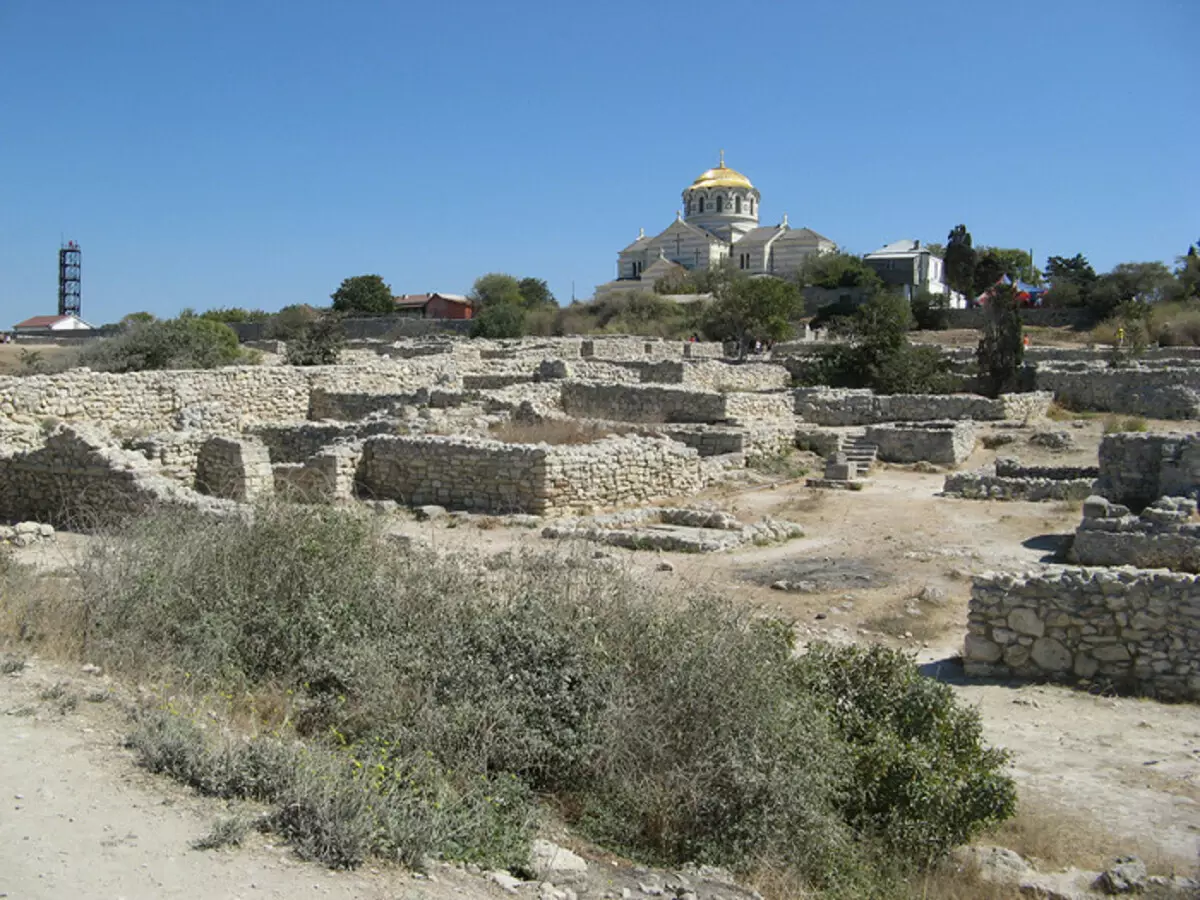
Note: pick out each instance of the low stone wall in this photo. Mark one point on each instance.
(175, 452)
(1166, 535)
(713, 375)
(213, 399)
(987, 486)
(843, 407)
(1136, 469)
(641, 403)
(1155, 392)
(749, 408)
(1010, 467)
(326, 477)
(234, 469)
(80, 478)
(296, 443)
(490, 476)
(1134, 629)
(488, 382)
(944, 443)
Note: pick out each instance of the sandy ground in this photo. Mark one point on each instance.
(78, 819)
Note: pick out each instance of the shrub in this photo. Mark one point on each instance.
(1114, 424)
(188, 342)
(291, 322)
(437, 693)
(931, 311)
(318, 344)
(923, 781)
(499, 320)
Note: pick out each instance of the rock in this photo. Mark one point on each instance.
(997, 865)
(1026, 621)
(550, 862)
(91, 669)
(992, 441)
(980, 649)
(1052, 440)
(781, 586)
(1051, 655)
(505, 880)
(933, 595)
(1127, 876)
(665, 566)
(429, 513)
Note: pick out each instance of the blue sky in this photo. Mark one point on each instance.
(254, 153)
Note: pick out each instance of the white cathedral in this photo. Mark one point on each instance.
(719, 222)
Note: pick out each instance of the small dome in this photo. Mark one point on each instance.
(721, 176)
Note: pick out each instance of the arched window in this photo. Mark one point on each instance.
(701, 203)
(720, 202)
(738, 205)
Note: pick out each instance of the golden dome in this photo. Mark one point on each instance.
(722, 176)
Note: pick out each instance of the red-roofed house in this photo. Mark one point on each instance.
(51, 325)
(434, 306)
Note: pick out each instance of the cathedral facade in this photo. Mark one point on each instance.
(718, 222)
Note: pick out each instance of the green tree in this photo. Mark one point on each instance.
(989, 268)
(938, 250)
(364, 294)
(319, 342)
(496, 288)
(499, 320)
(535, 293)
(1142, 282)
(1188, 274)
(755, 309)
(138, 318)
(931, 311)
(1001, 347)
(960, 261)
(833, 271)
(1017, 264)
(291, 322)
(1071, 280)
(235, 314)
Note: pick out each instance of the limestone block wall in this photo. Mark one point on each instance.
(1135, 629)
(14, 438)
(842, 407)
(346, 406)
(1156, 392)
(490, 476)
(234, 469)
(176, 452)
(1165, 535)
(749, 407)
(641, 403)
(945, 443)
(326, 477)
(462, 473)
(80, 477)
(142, 402)
(1138, 468)
(1012, 481)
(714, 375)
(296, 443)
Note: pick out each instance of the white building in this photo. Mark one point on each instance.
(912, 268)
(719, 222)
(51, 325)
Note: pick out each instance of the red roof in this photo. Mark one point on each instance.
(41, 321)
(411, 299)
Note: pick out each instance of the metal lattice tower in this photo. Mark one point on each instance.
(69, 296)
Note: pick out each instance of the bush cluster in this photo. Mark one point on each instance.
(673, 728)
(189, 342)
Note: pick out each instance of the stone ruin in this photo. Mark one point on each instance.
(1127, 616)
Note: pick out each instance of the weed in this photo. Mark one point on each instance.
(227, 831)
(553, 431)
(11, 665)
(783, 466)
(1117, 424)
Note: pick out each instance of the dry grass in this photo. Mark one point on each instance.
(1055, 838)
(807, 501)
(553, 431)
(29, 359)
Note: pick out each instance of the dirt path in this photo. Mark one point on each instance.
(78, 819)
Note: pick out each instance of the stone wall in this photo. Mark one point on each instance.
(176, 452)
(1166, 535)
(713, 375)
(641, 403)
(1133, 629)
(144, 402)
(1136, 469)
(235, 469)
(1012, 481)
(945, 443)
(1143, 390)
(81, 478)
(490, 476)
(296, 443)
(326, 477)
(841, 407)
